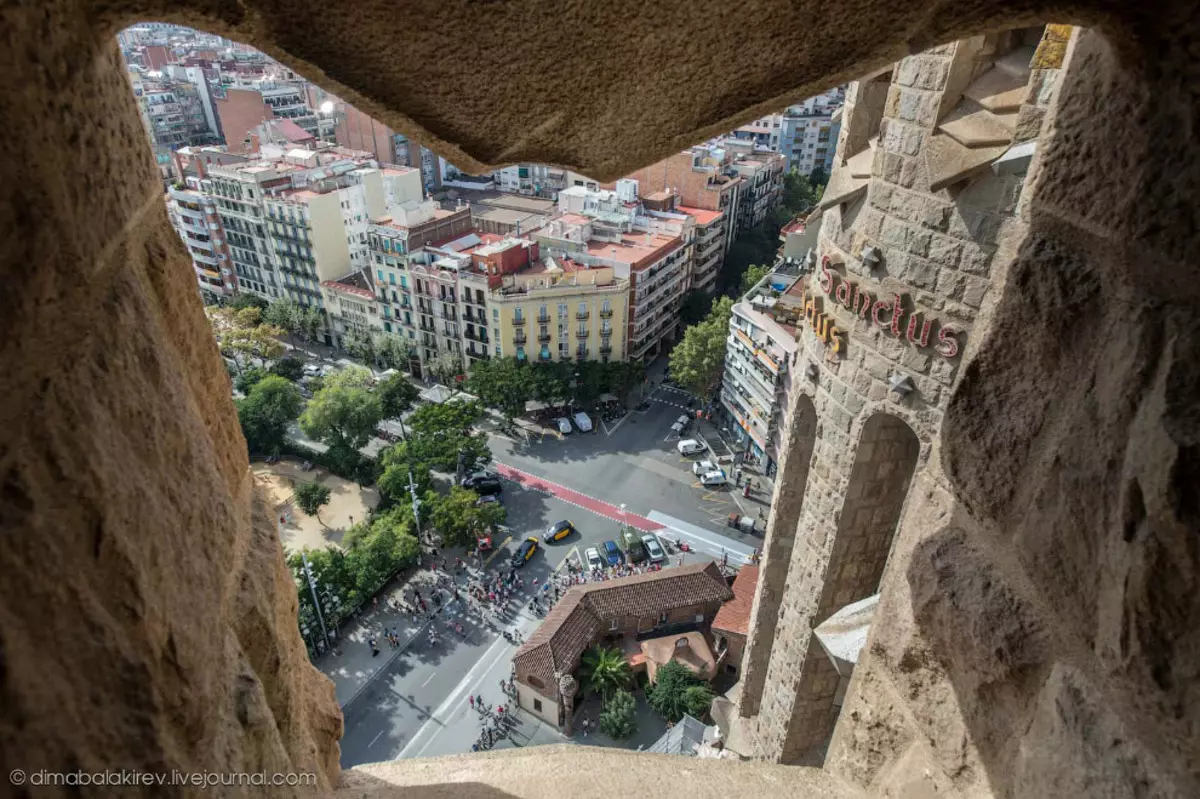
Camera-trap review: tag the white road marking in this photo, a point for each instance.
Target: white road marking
(373, 740)
(618, 424)
(429, 679)
(485, 663)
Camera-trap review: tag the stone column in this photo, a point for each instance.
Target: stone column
(566, 694)
(149, 618)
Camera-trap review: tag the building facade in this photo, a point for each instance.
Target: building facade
(809, 132)
(760, 359)
(916, 232)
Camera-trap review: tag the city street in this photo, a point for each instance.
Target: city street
(415, 704)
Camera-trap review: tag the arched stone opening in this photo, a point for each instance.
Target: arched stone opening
(884, 463)
(777, 552)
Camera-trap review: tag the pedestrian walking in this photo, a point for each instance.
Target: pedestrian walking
(374, 647)
(471, 701)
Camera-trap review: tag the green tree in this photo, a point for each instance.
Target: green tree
(617, 717)
(360, 344)
(397, 394)
(266, 411)
(288, 368)
(242, 301)
(622, 376)
(344, 413)
(552, 381)
(604, 670)
(242, 335)
(590, 379)
(249, 379)
(442, 436)
(677, 691)
(398, 462)
(309, 323)
(502, 383)
(699, 358)
(377, 550)
(446, 369)
(394, 352)
(459, 517)
(751, 276)
(311, 496)
(284, 313)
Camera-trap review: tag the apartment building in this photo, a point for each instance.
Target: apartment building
(195, 218)
(175, 113)
(294, 219)
(416, 257)
(350, 306)
(764, 132)
(708, 247)
(762, 174)
(556, 308)
(760, 354)
(539, 180)
(809, 132)
(246, 103)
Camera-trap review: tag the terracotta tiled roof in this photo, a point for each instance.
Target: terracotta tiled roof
(734, 617)
(585, 610)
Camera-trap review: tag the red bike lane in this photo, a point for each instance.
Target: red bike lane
(599, 506)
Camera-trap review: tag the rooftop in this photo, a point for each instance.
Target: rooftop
(702, 216)
(356, 283)
(633, 248)
(583, 612)
(734, 616)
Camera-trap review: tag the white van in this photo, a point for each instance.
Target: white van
(583, 422)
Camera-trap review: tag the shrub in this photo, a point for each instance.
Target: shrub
(617, 716)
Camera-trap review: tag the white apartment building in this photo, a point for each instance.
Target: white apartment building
(195, 218)
(296, 218)
(760, 360)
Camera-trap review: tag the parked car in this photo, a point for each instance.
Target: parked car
(312, 369)
(583, 422)
(635, 550)
(564, 425)
(483, 483)
(592, 556)
(489, 499)
(653, 549)
(703, 467)
(612, 553)
(690, 446)
(681, 424)
(558, 531)
(713, 479)
(524, 552)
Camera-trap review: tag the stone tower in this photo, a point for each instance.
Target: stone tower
(918, 224)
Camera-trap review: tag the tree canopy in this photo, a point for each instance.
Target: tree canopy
(751, 276)
(266, 411)
(344, 413)
(604, 670)
(241, 334)
(677, 691)
(311, 496)
(699, 358)
(459, 517)
(618, 717)
(397, 461)
(446, 369)
(288, 368)
(397, 394)
(393, 351)
(503, 383)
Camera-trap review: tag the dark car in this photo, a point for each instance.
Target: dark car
(524, 552)
(483, 483)
(612, 553)
(558, 531)
(489, 499)
(635, 550)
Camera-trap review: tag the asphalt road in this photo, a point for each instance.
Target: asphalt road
(417, 705)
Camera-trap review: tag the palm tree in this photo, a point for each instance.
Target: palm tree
(605, 670)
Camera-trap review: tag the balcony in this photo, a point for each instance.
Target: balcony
(427, 326)
(606, 313)
(605, 349)
(584, 333)
(519, 339)
(544, 338)
(544, 319)
(545, 356)
(583, 315)
(518, 321)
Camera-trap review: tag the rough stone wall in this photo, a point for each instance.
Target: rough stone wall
(939, 253)
(147, 619)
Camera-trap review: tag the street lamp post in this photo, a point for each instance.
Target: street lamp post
(312, 587)
(416, 503)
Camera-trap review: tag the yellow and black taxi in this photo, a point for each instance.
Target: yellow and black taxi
(558, 531)
(524, 552)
